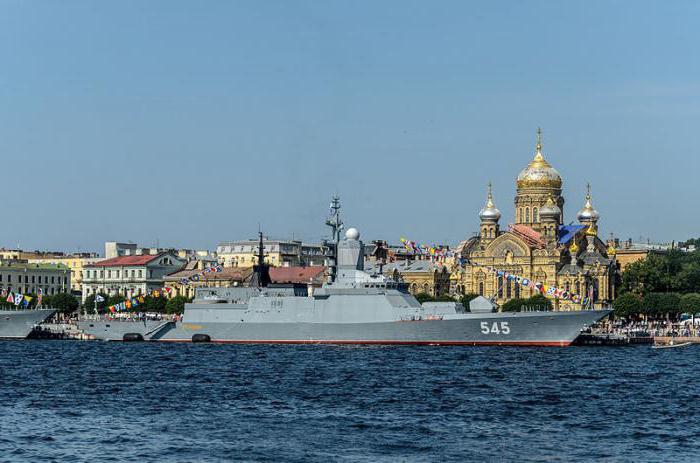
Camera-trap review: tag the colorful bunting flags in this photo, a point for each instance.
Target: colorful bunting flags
(436, 252)
(198, 276)
(541, 288)
(135, 301)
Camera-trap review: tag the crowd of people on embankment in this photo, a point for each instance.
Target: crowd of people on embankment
(650, 328)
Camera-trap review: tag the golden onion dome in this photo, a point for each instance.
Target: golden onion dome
(539, 173)
(592, 230)
(573, 249)
(611, 250)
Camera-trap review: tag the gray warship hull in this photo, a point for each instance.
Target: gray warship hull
(501, 329)
(518, 329)
(18, 324)
(114, 330)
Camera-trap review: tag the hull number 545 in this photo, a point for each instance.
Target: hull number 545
(495, 328)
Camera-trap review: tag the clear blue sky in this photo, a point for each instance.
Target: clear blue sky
(154, 121)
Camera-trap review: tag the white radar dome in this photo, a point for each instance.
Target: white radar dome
(352, 234)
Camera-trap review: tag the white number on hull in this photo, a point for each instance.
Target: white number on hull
(495, 328)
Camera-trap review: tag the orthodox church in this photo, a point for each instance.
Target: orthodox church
(538, 247)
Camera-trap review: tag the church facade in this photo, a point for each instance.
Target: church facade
(537, 246)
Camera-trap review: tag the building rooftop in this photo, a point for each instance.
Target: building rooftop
(228, 273)
(26, 265)
(125, 261)
(296, 274)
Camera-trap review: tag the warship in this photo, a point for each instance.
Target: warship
(353, 306)
(18, 324)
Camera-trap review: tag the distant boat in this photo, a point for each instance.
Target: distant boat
(670, 345)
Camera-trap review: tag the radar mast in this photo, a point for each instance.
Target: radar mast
(336, 225)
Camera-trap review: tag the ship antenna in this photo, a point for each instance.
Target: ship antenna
(336, 225)
(261, 250)
(261, 271)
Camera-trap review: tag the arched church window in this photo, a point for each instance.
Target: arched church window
(500, 287)
(481, 288)
(527, 215)
(517, 290)
(508, 288)
(520, 215)
(578, 287)
(534, 215)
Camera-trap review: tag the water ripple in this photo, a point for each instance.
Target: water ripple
(116, 402)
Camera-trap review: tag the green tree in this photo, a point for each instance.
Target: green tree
(690, 303)
(89, 304)
(64, 303)
(673, 271)
(661, 304)
(153, 304)
(538, 302)
(513, 305)
(176, 305)
(627, 305)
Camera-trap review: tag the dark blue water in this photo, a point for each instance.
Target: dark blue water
(93, 401)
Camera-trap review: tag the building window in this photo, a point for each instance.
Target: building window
(534, 215)
(508, 288)
(527, 215)
(481, 288)
(517, 290)
(500, 287)
(595, 289)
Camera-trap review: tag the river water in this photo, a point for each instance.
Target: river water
(69, 401)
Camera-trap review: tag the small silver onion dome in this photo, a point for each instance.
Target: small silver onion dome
(588, 213)
(489, 213)
(550, 210)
